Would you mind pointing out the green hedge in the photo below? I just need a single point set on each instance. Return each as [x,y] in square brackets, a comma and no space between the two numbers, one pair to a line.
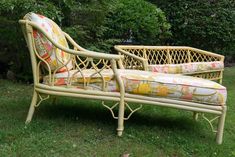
[206,24]
[14,55]
[100,24]
[138,21]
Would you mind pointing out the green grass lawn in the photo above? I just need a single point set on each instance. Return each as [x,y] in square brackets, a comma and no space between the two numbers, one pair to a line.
[79,127]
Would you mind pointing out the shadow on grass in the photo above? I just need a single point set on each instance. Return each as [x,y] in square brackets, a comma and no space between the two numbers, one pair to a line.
[78,110]
[86,111]
[162,121]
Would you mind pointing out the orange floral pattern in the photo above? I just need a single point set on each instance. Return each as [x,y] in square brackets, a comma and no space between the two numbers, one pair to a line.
[55,57]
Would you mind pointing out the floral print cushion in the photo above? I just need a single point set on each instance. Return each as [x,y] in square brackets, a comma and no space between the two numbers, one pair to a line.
[170,86]
[186,67]
[92,79]
[55,57]
[173,86]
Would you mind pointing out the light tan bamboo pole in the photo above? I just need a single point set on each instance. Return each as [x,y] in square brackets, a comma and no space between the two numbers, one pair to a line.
[189,56]
[173,47]
[189,108]
[221,76]
[120,64]
[32,108]
[134,100]
[168,56]
[129,54]
[220,129]
[32,55]
[127,95]
[207,53]
[122,95]
[34,69]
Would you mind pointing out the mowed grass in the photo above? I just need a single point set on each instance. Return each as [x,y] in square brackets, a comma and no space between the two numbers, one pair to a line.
[80,127]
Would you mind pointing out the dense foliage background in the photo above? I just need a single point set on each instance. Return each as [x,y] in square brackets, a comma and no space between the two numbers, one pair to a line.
[100,24]
[205,24]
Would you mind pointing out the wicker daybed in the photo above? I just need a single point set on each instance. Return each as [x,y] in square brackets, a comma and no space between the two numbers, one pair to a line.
[60,70]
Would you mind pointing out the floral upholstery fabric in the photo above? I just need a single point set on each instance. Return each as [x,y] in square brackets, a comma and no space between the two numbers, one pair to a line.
[186,67]
[55,57]
[151,84]
[75,77]
[173,86]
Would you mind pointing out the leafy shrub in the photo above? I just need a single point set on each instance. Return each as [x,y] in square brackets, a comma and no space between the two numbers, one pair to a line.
[14,54]
[139,21]
[206,24]
[86,24]
[94,24]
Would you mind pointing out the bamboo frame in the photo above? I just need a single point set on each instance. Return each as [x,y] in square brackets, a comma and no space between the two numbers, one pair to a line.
[142,56]
[84,59]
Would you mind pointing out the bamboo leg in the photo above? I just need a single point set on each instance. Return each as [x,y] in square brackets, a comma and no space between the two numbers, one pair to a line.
[220,130]
[220,80]
[195,116]
[221,77]
[32,107]
[121,103]
[120,118]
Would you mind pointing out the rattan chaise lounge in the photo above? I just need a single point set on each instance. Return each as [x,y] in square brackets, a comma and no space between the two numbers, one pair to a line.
[61,71]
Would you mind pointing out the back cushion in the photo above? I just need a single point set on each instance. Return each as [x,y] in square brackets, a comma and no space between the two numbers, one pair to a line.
[53,56]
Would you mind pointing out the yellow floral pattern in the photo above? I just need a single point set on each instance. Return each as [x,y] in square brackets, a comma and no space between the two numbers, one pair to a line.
[162,90]
[142,89]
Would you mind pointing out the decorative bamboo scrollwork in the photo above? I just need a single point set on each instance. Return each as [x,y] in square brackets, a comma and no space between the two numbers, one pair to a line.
[111,109]
[132,111]
[126,104]
[41,99]
[210,121]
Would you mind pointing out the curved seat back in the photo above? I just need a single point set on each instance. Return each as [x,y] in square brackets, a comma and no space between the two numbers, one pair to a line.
[58,60]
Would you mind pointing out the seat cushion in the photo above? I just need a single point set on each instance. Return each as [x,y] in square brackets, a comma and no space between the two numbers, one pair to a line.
[55,57]
[75,77]
[170,86]
[187,67]
[174,86]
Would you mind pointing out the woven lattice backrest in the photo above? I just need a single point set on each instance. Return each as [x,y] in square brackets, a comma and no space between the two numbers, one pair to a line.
[139,57]
[200,56]
[156,56]
[136,51]
[178,56]
[168,55]
[130,62]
